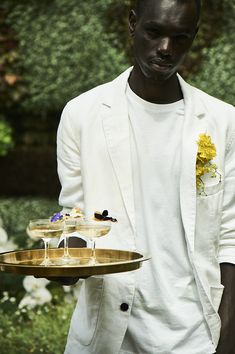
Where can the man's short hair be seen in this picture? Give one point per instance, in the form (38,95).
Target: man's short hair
(139,5)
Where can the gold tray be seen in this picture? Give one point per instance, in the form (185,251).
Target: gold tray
(27,262)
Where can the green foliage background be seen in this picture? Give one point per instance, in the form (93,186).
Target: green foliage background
(54,50)
(217,71)
(42,329)
(16,213)
(64,49)
(6,141)
(51,51)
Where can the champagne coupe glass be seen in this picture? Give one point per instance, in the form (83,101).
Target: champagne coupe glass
(46,230)
(70,226)
(92,229)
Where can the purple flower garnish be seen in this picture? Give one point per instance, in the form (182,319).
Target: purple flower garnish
(56,217)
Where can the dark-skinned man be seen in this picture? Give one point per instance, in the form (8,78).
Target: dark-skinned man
(159,155)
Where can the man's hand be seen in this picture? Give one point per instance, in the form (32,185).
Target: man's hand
(66,280)
(227,310)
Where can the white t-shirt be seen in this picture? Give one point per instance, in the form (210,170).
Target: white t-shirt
(166,315)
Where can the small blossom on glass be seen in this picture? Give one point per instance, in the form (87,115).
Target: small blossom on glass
(57,217)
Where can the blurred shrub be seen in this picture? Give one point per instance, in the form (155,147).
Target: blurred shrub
(212,12)
(9,90)
(6,141)
(16,213)
(43,330)
(29,171)
(64,49)
(51,51)
(217,73)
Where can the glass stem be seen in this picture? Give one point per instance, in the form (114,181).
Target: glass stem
(93,256)
(46,248)
(66,246)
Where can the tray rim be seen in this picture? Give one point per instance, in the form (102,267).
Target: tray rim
(72,270)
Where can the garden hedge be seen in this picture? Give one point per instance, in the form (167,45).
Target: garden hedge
(42,329)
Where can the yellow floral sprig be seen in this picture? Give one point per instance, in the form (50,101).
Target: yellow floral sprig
(206,152)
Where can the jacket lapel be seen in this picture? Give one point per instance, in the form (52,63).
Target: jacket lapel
(116,130)
(117,133)
(195,124)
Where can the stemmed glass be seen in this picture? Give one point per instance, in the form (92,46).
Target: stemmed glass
(70,226)
(92,229)
(46,230)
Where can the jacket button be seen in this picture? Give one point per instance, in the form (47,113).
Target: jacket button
(124,307)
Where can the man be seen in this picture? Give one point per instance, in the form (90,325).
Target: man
(159,155)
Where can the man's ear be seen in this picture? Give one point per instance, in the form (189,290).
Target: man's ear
(132,23)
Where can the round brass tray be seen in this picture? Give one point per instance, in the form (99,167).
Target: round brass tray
(27,262)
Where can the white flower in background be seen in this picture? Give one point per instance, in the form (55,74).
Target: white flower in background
(68,298)
(5,244)
(30,283)
(8,246)
(67,288)
(37,294)
(42,296)
(27,301)
(72,292)
(3,236)
(5,296)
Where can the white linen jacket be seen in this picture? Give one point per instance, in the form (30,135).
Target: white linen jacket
(94,167)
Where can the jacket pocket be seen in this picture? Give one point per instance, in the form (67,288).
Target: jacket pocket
(212,185)
(213,189)
(85,316)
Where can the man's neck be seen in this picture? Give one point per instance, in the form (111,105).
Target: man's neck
(161,92)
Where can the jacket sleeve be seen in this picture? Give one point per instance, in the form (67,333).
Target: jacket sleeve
(227,236)
(68,162)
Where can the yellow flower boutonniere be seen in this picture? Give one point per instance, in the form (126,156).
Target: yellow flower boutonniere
(206,152)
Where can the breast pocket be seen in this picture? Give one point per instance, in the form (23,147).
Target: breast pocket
(85,317)
(212,185)
(208,220)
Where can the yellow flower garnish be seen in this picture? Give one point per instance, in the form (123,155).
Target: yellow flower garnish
(206,152)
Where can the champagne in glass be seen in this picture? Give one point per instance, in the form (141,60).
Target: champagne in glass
(93,229)
(70,226)
(46,230)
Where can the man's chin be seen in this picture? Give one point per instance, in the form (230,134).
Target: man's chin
(158,76)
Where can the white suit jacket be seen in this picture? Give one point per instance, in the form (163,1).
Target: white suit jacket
(94,166)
